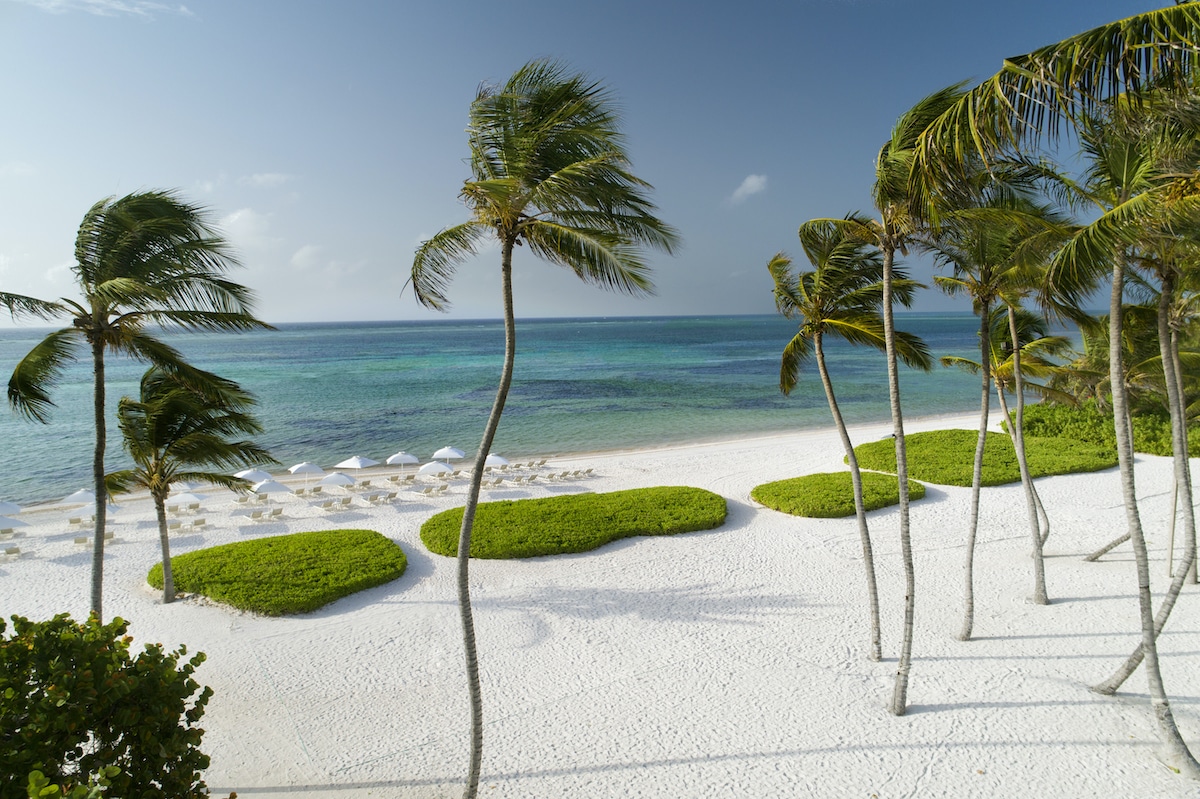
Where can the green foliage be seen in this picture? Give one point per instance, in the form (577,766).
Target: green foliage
(830,495)
(75,708)
(527,528)
(285,574)
(947,457)
(1151,431)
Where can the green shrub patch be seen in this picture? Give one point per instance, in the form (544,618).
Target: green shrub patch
(830,495)
(527,528)
(286,574)
(947,457)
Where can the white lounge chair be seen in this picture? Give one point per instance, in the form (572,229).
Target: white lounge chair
(199,524)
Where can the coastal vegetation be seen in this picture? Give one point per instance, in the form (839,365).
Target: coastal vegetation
(143,260)
(946,457)
(181,431)
(75,702)
(831,495)
(527,528)
(285,574)
(1090,424)
(550,171)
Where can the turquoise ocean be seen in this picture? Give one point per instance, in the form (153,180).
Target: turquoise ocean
(329,391)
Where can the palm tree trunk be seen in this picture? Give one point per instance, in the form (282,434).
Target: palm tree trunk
(860,512)
(985,360)
(1175,751)
(1018,436)
(464,536)
(160,510)
(98,479)
(1183,482)
(900,691)
(1189,511)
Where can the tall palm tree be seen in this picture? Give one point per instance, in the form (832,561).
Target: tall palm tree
(549,171)
(147,259)
(181,430)
(841,297)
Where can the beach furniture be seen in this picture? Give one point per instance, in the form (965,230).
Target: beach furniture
(327,504)
(256,515)
(531,478)
(315,490)
(195,506)
(109,536)
(345,501)
(199,524)
(82,539)
(12,552)
(173,526)
(172,509)
(6,532)
(441,489)
(427,490)
(242,499)
(275,513)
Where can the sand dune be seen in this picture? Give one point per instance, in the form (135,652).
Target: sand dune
(722,663)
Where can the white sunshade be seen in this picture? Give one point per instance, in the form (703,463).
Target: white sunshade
(187,497)
(185,485)
(434,467)
(7,523)
(336,479)
(449,454)
(308,467)
(401,458)
(253,475)
(357,462)
(9,508)
(271,487)
(83,495)
(495,460)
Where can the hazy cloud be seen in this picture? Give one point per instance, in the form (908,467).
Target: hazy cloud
(264,179)
(307,257)
(248,228)
(110,8)
(753,184)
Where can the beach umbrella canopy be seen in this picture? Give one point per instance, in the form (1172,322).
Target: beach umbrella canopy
(83,495)
(253,475)
(357,462)
(9,508)
(308,467)
(402,458)
(271,487)
(188,497)
(336,479)
(8,524)
(495,460)
(448,454)
(185,485)
(434,467)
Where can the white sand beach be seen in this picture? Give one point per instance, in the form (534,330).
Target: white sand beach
(726,663)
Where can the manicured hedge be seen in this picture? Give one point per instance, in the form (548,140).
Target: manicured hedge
(526,528)
(829,495)
(1151,429)
(285,574)
(947,457)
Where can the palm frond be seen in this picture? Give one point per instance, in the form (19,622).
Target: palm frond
(434,262)
(595,256)
(19,305)
(39,371)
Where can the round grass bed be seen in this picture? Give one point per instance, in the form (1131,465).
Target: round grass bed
(286,574)
(947,457)
(830,495)
(526,528)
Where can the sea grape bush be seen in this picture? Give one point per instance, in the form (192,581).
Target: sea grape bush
(74,704)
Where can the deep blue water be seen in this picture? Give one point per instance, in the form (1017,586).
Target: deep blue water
(328,391)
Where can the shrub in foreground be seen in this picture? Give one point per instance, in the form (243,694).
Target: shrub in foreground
(830,495)
(526,528)
(947,457)
(74,703)
(1151,429)
(285,574)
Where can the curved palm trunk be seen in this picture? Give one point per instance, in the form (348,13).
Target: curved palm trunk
(160,511)
(98,479)
(1175,751)
(985,360)
(464,536)
(860,512)
(1183,482)
(900,691)
(1189,511)
(1018,437)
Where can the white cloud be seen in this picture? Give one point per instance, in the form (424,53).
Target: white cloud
(753,184)
(110,8)
(249,229)
(307,257)
(264,179)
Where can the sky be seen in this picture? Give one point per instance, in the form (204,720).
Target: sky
(327,139)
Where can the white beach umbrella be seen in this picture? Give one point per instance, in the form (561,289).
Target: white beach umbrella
(253,475)
(495,460)
(9,508)
(188,498)
(8,524)
(448,454)
(185,485)
(402,458)
(336,479)
(434,467)
(307,469)
(357,462)
(82,496)
(271,487)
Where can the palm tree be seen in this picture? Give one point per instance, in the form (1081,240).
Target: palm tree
(1033,96)
(141,260)
(841,297)
(180,430)
(550,171)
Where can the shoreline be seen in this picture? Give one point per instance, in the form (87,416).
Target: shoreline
(716,663)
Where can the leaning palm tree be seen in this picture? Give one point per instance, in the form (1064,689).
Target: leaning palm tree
(841,297)
(143,260)
(549,171)
(182,429)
